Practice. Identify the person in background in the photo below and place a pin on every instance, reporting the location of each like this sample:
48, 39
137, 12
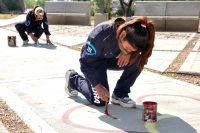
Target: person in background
119, 45
35, 19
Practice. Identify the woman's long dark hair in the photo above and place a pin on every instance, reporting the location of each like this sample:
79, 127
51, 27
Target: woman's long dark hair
140, 34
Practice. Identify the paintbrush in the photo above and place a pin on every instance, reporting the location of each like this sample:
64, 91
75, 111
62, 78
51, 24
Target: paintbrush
106, 109
107, 113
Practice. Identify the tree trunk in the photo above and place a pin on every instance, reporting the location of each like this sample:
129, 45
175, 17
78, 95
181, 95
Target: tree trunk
22, 5
3, 7
122, 6
126, 7
101, 6
128, 10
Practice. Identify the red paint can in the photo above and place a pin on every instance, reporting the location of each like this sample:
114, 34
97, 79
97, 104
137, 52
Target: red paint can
12, 41
150, 111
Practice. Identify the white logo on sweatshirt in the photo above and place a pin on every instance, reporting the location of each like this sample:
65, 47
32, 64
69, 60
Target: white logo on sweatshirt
96, 97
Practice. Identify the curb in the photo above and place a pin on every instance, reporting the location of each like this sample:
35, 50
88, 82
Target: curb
25, 113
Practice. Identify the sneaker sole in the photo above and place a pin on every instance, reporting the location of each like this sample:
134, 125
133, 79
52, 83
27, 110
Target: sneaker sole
73, 93
116, 102
25, 42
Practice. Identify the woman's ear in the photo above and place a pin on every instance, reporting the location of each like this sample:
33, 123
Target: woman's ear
123, 35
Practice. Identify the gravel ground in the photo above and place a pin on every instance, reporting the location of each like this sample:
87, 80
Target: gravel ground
15, 125
11, 121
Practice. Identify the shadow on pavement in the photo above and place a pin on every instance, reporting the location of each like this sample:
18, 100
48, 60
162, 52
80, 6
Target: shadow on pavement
41, 45
130, 120
124, 120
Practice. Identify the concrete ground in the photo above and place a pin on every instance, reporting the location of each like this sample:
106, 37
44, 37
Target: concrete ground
32, 83
3, 129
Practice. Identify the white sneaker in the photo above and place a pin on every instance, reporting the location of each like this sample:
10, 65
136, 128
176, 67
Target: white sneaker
68, 89
25, 42
37, 43
124, 102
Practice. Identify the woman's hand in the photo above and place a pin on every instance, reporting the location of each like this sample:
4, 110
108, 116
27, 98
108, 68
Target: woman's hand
102, 92
48, 39
33, 37
123, 59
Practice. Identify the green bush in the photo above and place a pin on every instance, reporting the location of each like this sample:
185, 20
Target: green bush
32, 3
14, 5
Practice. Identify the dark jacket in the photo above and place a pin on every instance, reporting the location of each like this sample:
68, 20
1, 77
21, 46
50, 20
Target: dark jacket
100, 46
101, 43
31, 24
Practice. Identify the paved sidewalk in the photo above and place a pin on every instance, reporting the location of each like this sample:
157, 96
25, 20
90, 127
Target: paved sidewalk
167, 47
166, 50
192, 63
32, 83
3, 129
6, 22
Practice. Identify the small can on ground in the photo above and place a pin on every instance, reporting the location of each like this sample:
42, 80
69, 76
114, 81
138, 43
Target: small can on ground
149, 111
12, 41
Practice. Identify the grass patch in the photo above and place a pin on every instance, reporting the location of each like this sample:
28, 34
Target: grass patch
8, 16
